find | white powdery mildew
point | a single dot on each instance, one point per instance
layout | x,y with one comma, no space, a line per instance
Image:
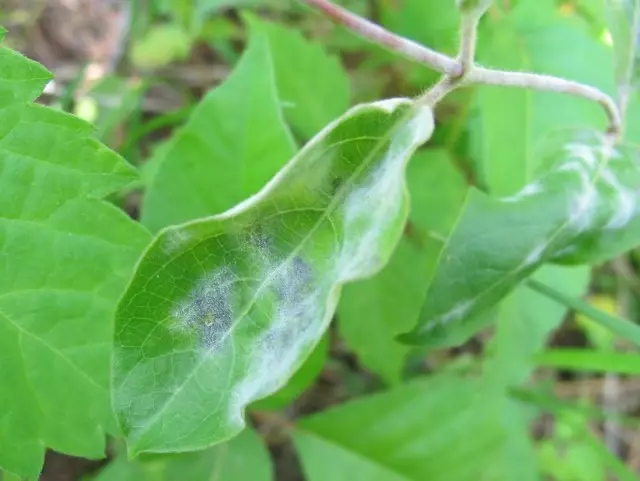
528,191
208,310
370,209
457,312
535,255
583,206
293,328
626,207
175,240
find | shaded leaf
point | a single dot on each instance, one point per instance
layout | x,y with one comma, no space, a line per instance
66,256
244,458
581,209
234,142
222,311
373,312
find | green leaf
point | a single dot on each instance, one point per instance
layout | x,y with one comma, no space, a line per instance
313,86
623,19
581,209
589,360
412,432
66,256
622,327
244,458
233,143
222,311
374,311
522,41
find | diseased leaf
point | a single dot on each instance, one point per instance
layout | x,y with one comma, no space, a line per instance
222,311
411,432
244,458
66,256
373,312
581,209
522,41
623,19
234,142
313,86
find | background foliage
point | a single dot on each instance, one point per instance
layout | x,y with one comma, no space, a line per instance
207,100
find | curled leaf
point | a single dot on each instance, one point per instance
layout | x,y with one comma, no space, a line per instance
583,208
222,311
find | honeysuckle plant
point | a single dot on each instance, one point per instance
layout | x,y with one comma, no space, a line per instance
167,332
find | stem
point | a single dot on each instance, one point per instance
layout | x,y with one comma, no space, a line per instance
462,71
380,36
548,83
468,41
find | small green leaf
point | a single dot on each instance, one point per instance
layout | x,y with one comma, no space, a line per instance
222,311
374,311
313,86
66,257
589,360
244,458
234,142
581,209
622,327
410,433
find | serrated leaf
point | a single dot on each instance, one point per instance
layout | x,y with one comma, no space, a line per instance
66,256
313,93
234,142
372,313
582,209
411,432
244,458
623,19
222,311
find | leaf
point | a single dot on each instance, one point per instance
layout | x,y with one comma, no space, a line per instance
622,327
522,41
590,360
244,458
581,209
233,143
411,432
374,311
66,256
316,90
623,19
222,311
300,381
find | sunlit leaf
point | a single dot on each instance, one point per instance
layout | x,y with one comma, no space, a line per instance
66,257
222,311
234,142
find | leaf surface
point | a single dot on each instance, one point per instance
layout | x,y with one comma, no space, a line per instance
223,310
244,458
66,256
313,86
623,19
582,208
373,312
411,432
234,142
